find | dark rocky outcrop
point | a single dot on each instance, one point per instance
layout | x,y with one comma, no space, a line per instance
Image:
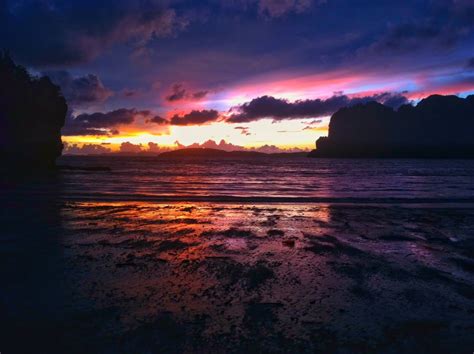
32,112
439,126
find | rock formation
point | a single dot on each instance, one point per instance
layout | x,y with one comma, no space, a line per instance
439,126
32,112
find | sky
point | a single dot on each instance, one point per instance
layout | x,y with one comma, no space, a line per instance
150,75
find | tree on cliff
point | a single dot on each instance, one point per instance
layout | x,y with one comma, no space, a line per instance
32,112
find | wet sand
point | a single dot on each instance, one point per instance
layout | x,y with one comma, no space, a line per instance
141,277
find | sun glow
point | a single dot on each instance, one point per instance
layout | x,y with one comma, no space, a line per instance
284,134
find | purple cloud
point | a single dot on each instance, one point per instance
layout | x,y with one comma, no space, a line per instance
195,117
280,109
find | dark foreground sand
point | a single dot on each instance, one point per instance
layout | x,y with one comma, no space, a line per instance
218,278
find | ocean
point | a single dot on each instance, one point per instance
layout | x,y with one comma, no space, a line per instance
270,179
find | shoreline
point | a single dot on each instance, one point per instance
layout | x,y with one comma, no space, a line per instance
257,200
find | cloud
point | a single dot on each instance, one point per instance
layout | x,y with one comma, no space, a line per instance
271,8
280,109
150,148
446,23
223,145
130,93
408,36
158,120
86,149
200,94
211,144
154,148
278,8
69,130
179,92
56,32
110,119
272,149
80,91
157,149
316,125
102,123
195,118
127,148
470,63
243,130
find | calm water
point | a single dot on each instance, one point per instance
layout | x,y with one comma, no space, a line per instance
271,179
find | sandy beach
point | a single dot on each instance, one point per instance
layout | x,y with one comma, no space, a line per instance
138,277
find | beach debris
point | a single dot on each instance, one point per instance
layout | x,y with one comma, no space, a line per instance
275,232
288,243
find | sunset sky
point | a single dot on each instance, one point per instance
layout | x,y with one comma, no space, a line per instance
251,72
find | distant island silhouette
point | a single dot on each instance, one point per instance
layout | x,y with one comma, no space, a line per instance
437,127
32,112
216,153
190,153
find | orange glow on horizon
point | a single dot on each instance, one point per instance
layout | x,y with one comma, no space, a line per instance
285,135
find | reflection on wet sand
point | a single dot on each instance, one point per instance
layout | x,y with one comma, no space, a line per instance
147,277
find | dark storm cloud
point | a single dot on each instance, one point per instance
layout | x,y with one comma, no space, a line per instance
55,32
195,118
158,120
101,123
271,8
278,8
110,119
409,36
80,91
179,92
61,33
280,109
470,63
446,23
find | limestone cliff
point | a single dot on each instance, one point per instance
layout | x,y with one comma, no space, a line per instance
32,112
439,126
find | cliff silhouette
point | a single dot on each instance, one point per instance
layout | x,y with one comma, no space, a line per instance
32,112
437,127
